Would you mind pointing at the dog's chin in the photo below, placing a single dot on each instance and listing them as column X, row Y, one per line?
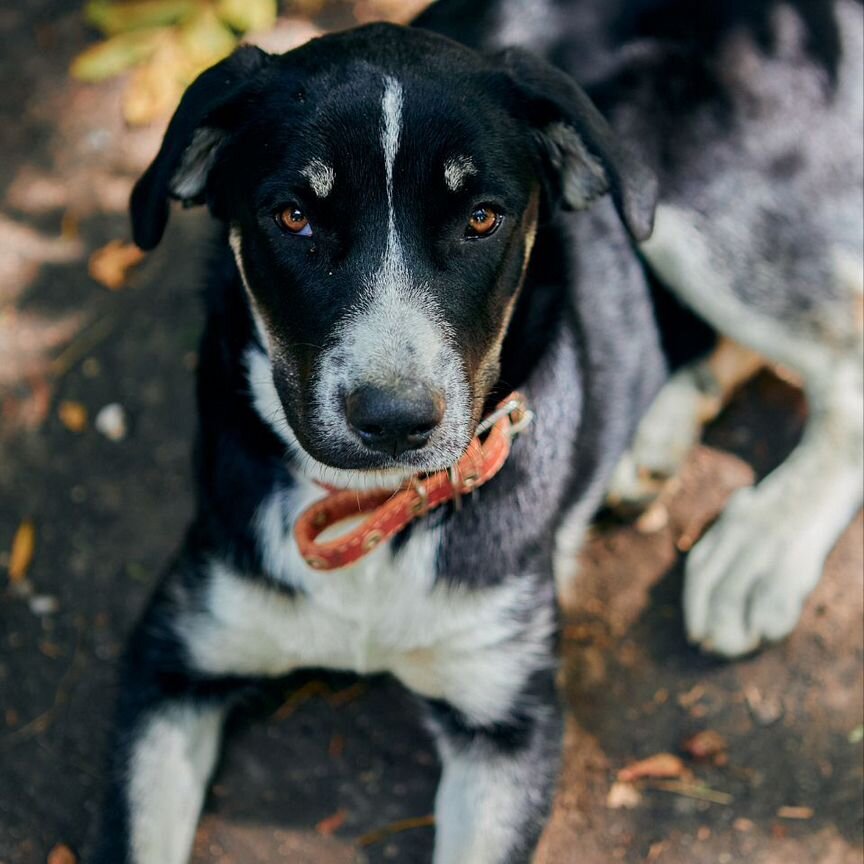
column 359, row 470
column 360, row 474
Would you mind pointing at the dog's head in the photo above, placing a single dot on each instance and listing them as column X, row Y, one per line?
column 382, row 188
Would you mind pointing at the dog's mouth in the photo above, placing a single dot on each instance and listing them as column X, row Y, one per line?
column 349, row 463
column 399, row 473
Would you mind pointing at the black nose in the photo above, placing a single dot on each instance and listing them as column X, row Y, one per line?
column 393, row 421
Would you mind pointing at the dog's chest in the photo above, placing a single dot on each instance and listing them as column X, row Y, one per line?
column 386, row 613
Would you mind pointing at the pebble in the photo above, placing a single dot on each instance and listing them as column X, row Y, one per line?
column 111, row 422
column 44, row 604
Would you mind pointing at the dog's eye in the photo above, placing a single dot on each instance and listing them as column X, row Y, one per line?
column 293, row 220
column 483, row 221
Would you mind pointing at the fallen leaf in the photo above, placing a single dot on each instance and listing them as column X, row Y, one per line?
column 116, row 55
column 247, row 16
column 655, row 850
column 331, row 824
column 70, row 226
column 111, row 264
column 795, row 813
column 692, row 696
column 62, row 854
column 23, row 548
column 205, row 39
column 50, row 649
column 156, row 86
column 111, row 17
column 73, row 415
column 659, row 765
column 705, row 744
column 623, row 796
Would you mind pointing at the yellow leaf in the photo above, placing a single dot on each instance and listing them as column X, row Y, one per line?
column 73, row 415
column 156, row 87
column 23, row 547
column 205, row 39
column 116, row 54
column 112, row 17
column 62, row 854
column 111, row 264
column 247, row 16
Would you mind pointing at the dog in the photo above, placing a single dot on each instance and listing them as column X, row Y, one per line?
column 449, row 288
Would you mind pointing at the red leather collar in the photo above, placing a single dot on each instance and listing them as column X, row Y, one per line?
column 386, row 512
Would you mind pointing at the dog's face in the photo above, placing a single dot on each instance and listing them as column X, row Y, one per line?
column 382, row 188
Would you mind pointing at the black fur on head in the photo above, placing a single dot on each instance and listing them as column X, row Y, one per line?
column 388, row 140
column 584, row 158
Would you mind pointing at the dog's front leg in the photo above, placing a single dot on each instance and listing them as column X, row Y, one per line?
column 165, row 745
column 498, row 778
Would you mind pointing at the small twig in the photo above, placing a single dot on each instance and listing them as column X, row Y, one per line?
column 42, row 722
column 303, row 694
column 347, row 694
column 379, row 834
column 81, row 345
column 690, row 790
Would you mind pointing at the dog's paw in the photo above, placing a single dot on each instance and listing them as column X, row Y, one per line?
column 747, row 579
column 672, row 426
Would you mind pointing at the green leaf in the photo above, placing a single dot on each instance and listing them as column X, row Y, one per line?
column 116, row 54
column 112, row 18
column 205, row 39
column 245, row 16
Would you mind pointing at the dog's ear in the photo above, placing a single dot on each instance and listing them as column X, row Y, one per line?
column 583, row 156
column 197, row 130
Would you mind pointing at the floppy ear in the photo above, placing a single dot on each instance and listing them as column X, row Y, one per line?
column 197, row 130
column 584, row 156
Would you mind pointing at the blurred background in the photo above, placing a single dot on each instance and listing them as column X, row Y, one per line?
column 98, row 345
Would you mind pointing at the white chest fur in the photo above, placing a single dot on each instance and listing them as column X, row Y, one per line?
column 387, row 613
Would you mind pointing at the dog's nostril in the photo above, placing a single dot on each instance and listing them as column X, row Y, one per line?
column 423, row 428
column 394, row 421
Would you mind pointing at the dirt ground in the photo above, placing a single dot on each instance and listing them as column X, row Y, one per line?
column 327, row 769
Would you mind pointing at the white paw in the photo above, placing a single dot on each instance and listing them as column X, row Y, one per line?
column 747, row 579
column 665, row 436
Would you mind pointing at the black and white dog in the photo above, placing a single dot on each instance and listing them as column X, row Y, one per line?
column 397, row 257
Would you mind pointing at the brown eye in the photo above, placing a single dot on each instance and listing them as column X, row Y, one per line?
column 294, row 220
column 484, row 220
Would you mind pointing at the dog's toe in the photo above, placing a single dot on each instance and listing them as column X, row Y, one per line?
column 747, row 579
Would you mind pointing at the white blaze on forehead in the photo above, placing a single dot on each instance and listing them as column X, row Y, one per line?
column 320, row 176
column 390, row 289
column 395, row 332
column 391, row 129
column 457, row 170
